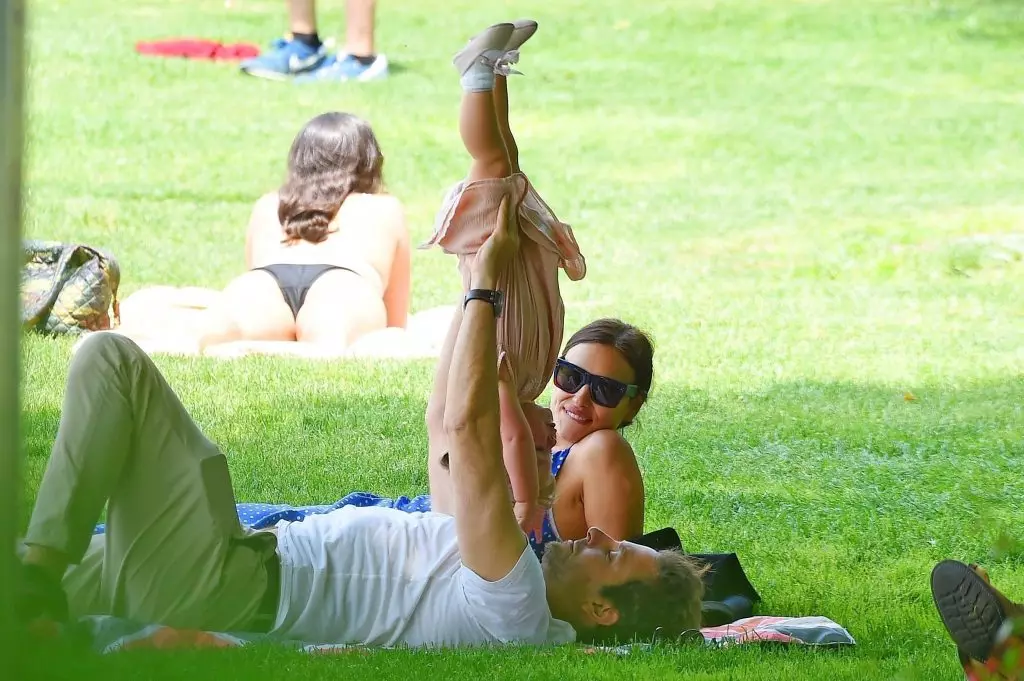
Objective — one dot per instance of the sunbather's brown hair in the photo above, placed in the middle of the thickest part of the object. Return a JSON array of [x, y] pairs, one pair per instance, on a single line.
[[335, 154]]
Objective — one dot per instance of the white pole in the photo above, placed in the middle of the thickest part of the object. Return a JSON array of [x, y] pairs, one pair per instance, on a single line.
[[12, 35]]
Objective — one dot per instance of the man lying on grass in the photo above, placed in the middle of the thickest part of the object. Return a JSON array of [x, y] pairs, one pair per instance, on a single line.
[[174, 551]]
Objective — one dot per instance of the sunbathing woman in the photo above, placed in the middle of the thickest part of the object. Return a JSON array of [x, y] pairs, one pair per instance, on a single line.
[[327, 254]]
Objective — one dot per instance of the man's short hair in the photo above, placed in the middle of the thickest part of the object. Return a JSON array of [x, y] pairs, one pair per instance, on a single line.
[[662, 608]]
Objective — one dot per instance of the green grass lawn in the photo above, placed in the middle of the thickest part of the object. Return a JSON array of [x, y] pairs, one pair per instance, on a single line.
[[803, 201]]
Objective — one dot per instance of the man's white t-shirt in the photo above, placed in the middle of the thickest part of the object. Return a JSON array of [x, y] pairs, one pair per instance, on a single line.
[[381, 577]]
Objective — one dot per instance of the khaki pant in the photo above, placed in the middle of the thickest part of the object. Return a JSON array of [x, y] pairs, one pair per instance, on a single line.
[[174, 551]]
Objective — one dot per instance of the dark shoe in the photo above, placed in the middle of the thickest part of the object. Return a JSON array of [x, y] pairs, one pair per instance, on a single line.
[[970, 609], [39, 596]]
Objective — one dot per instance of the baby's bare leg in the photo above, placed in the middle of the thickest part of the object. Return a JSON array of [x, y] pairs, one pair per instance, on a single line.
[[500, 95], [478, 126], [478, 120]]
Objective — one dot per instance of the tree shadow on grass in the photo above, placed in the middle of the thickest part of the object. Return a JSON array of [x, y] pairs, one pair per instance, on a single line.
[[857, 446]]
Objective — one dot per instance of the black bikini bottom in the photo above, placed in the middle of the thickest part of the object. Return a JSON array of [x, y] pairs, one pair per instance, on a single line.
[[296, 280]]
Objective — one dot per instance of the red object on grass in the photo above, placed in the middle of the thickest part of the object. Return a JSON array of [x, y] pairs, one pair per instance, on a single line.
[[193, 48]]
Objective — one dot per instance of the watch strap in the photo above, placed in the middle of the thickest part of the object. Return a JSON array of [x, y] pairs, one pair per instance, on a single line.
[[495, 298]]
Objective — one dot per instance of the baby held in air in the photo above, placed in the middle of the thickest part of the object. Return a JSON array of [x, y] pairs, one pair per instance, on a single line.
[[531, 324]]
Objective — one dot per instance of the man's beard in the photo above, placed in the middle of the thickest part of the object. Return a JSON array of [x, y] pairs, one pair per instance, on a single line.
[[554, 558]]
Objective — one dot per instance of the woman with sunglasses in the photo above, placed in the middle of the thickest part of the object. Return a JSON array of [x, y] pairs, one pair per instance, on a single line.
[[601, 381]]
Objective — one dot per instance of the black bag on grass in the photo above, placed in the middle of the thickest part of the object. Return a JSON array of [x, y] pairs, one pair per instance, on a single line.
[[728, 593]]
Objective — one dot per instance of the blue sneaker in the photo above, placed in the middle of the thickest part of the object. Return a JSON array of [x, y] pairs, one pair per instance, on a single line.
[[346, 67], [291, 58]]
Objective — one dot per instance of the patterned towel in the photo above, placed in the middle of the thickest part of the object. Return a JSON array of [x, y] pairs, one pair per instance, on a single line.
[[812, 631], [110, 634]]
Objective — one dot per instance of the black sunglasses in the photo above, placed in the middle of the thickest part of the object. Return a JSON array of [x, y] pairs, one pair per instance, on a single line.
[[605, 391]]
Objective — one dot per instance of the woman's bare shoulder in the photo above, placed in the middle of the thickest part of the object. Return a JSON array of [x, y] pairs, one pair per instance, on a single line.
[[263, 219], [264, 211], [268, 200], [606, 449], [379, 202], [383, 210]]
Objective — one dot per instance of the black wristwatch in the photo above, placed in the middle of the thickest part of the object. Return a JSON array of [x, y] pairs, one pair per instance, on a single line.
[[495, 298]]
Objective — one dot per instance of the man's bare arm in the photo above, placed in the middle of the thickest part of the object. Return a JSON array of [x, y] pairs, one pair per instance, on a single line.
[[490, 541]]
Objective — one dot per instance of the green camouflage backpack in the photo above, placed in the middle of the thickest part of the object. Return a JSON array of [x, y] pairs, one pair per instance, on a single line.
[[68, 288]]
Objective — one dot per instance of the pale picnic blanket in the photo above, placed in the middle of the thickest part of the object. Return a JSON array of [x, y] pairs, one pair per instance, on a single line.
[[168, 320]]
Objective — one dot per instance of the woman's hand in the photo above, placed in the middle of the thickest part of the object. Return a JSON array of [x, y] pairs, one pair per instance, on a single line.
[[498, 250]]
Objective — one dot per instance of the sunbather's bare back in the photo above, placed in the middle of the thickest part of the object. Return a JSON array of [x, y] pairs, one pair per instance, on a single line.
[[365, 236]]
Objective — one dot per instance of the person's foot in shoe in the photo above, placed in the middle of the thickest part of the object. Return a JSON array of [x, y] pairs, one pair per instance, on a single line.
[[484, 49], [286, 59], [522, 30], [972, 611], [347, 67]]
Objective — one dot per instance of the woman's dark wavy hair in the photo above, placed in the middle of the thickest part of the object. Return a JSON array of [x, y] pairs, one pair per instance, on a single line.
[[335, 154]]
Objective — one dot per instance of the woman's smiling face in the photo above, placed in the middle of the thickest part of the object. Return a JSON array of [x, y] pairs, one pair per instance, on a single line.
[[577, 414]]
